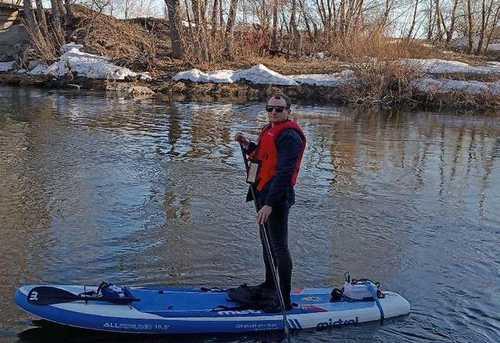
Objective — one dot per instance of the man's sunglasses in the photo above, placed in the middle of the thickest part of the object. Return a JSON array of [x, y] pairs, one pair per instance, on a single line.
[[278, 109]]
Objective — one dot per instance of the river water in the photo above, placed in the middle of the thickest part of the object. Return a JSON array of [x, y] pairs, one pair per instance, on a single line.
[[145, 192]]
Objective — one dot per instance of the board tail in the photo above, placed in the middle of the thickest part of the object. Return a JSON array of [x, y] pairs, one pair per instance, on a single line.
[[48, 295]]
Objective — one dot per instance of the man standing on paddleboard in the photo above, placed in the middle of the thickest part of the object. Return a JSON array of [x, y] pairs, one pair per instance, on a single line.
[[275, 163]]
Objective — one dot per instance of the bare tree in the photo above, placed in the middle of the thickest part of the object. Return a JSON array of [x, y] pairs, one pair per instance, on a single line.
[[31, 20], [470, 26], [453, 18], [487, 12], [387, 12], [413, 21], [69, 16], [493, 26], [274, 34], [215, 7], [42, 19], [430, 20], [175, 35], [56, 20], [228, 38], [293, 26], [440, 24]]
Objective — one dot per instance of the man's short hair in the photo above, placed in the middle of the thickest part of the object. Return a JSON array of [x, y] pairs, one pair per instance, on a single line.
[[281, 96]]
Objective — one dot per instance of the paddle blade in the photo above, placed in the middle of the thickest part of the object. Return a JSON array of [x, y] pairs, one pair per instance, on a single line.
[[46, 295]]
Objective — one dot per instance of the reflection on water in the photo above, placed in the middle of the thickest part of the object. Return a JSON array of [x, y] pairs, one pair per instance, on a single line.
[[95, 188]]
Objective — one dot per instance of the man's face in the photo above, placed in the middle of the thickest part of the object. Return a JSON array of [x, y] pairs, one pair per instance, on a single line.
[[278, 112]]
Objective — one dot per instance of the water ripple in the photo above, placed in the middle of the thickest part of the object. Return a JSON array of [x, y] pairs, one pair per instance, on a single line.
[[95, 187]]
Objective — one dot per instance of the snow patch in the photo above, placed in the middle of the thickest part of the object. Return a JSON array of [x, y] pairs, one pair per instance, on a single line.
[[428, 85], [86, 65], [494, 47], [195, 75], [260, 74], [6, 66], [437, 66], [40, 69], [325, 80]]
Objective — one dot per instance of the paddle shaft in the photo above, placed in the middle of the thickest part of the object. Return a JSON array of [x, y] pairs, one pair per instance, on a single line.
[[267, 247]]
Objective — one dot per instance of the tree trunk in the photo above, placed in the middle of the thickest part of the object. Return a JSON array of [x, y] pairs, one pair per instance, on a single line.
[[175, 35], [60, 8], [214, 18], [496, 18], [451, 31], [387, 12], [31, 20], [469, 27], [274, 34], [414, 20], [69, 16], [191, 36], [57, 22], [439, 21], [40, 42], [203, 32], [358, 15], [306, 21], [221, 20], [485, 20], [482, 28], [42, 19], [295, 31], [228, 47], [200, 39], [195, 6], [430, 27], [340, 25]]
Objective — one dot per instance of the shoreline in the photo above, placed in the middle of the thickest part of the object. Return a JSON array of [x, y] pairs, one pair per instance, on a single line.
[[185, 90], [402, 84]]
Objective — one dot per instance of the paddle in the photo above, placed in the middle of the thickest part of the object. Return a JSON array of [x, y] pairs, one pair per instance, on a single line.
[[47, 295], [267, 246]]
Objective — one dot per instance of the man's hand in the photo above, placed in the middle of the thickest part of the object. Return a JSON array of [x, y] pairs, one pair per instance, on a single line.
[[240, 138], [263, 214]]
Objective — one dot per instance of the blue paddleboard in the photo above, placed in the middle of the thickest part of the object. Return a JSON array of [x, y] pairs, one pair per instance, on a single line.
[[197, 311]]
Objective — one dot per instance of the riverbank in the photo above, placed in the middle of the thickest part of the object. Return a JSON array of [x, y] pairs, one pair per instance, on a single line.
[[404, 83], [410, 83]]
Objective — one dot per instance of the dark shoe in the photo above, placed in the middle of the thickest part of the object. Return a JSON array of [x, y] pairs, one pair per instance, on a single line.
[[273, 305], [247, 294], [261, 291]]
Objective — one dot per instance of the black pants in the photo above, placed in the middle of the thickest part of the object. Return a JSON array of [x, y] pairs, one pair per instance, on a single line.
[[277, 228]]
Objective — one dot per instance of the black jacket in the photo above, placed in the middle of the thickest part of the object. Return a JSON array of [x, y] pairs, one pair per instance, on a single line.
[[279, 191]]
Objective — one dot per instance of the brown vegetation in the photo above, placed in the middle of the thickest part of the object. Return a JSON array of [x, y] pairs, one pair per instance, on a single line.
[[129, 43], [333, 35]]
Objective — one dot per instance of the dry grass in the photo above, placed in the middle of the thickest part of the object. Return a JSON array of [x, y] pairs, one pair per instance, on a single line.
[[144, 44], [459, 101], [45, 46], [383, 82], [128, 43], [375, 60]]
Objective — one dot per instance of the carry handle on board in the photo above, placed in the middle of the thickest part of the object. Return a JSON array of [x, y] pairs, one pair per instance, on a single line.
[[47, 295]]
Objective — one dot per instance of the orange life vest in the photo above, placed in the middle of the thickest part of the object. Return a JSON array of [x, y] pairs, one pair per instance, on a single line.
[[266, 153]]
